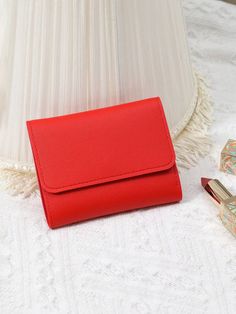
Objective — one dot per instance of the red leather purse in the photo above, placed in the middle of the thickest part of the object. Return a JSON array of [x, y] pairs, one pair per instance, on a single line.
[[104, 161]]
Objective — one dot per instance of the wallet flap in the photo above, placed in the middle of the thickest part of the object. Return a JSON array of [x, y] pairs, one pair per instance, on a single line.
[[101, 145]]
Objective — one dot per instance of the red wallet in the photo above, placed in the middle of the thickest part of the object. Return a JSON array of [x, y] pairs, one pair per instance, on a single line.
[[104, 161]]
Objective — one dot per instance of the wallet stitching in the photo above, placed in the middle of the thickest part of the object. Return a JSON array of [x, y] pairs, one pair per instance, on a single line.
[[101, 178]]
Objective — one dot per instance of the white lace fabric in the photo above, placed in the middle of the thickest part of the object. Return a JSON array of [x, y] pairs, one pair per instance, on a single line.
[[174, 259]]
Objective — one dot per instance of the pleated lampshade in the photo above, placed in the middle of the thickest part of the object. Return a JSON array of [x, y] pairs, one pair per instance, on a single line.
[[59, 57]]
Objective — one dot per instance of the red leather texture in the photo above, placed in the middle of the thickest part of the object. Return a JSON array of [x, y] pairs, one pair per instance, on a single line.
[[104, 161]]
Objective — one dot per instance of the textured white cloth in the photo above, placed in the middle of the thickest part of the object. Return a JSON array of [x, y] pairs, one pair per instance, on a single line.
[[64, 56], [175, 259]]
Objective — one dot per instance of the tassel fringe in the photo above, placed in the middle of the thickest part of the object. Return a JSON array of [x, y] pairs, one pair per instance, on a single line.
[[190, 144], [194, 142], [18, 182]]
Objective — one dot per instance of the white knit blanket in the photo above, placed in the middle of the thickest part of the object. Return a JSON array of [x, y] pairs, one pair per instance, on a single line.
[[167, 260]]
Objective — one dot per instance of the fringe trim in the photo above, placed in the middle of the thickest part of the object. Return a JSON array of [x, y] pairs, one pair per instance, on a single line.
[[19, 182], [190, 144], [18, 178], [193, 142]]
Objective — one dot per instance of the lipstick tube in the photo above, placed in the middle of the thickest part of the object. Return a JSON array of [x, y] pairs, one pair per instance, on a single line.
[[224, 200]]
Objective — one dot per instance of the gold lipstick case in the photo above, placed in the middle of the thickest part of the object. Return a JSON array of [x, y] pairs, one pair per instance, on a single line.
[[225, 200]]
